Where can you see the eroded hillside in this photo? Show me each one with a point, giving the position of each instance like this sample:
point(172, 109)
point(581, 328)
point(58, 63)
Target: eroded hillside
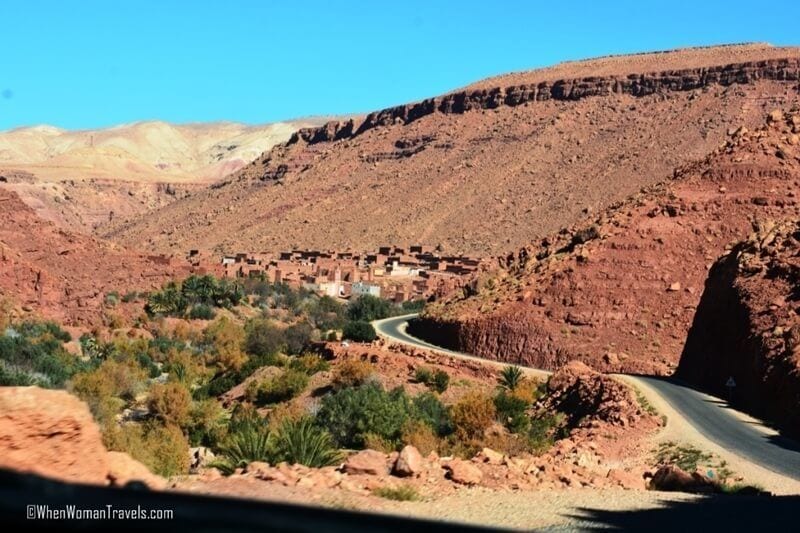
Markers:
point(620, 291)
point(484, 170)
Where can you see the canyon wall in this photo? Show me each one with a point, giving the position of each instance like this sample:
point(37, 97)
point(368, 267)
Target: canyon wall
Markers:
point(574, 89)
point(747, 327)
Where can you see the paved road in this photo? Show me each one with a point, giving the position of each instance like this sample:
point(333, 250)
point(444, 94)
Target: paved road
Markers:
point(710, 416)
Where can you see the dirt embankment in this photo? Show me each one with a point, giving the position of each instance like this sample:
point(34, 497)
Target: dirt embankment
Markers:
point(747, 327)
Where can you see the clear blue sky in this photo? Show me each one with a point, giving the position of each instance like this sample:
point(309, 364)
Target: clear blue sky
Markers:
point(84, 64)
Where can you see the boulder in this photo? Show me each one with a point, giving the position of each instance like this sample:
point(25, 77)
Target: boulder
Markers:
point(488, 455)
point(52, 434)
point(366, 462)
point(123, 469)
point(409, 462)
point(673, 478)
point(463, 473)
point(625, 479)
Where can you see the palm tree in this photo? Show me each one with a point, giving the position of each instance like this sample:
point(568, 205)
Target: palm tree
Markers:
point(191, 287)
point(510, 377)
point(301, 441)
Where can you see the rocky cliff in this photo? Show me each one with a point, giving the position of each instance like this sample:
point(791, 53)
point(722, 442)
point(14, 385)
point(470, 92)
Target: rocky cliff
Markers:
point(620, 292)
point(747, 327)
point(66, 276)
point(787, 69)
point(487, 169)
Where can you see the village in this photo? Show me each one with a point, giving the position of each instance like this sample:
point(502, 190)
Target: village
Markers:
point(395, 273)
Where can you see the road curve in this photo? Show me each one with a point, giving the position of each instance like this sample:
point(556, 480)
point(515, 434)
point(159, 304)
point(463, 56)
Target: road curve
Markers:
point(710, 416)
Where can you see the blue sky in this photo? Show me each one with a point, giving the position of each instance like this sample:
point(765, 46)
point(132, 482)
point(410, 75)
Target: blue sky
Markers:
point(85, 64)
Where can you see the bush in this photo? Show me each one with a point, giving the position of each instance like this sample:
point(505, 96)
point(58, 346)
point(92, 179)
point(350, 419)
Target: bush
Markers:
point(545, 430)
point(423, 374)
point(403, 493)
point(440, 381)
point(352, 413)
point(298, 337)
point(512, 412)
point(162, 449)
point(31, 353)
point(472, 416)
point(202, 312)
point(420, 435)
point(207, 423)
point(510, 377)
point(300, 441)
point(111, 299)
point(281, 388)
point(263, 338)
point(351, 373)
point(112, 380)
point(247, 441)
point(225, 339)
point(359, 331)
point(309, 363)
point(170, 403)
point(367, 308)
point(431, 411)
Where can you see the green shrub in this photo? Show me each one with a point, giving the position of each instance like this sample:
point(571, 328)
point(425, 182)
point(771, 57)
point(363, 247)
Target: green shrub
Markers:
point(298, 337)
point(359, 331)
point(403, 493)
point(510, 377)
point(32, 353)
point(512, 412)
point(301, 441)
point(162, 449)
point(130, 297)
point(202, 312)
point(429, 409)
point(207, 423)
point(367, 308)
point(309, 363)
point(423, 374)
point(246, 442)
point(263, 338)
point(111, 299)
point(350, 414)
point(281, 388)
point(440, 381)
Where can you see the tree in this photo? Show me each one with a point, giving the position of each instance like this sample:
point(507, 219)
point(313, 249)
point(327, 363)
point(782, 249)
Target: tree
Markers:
point(226, 339)
point(510, 377)
point(368, 308)
point(297, 336)
point(171, 403)
point(359, 331)
point(263, 338)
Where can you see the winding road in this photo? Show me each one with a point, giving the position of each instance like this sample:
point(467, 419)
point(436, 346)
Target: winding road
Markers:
point(711, 417)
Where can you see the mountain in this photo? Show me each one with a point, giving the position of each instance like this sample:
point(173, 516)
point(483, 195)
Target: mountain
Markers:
point(81, 179)
point(66, 276)
point(620, 291)
point(486, 169)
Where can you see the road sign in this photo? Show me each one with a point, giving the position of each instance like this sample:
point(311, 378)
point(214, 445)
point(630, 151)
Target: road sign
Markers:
point(730, 383)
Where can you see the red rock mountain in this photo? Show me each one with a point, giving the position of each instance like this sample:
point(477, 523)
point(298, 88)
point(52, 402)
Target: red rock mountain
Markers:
point(620, 291)
point(63, 275)
point(747, 326)
point(486, 169)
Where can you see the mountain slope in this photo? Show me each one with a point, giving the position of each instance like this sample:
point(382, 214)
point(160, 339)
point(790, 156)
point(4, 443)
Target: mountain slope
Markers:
point(83, 179)
point(66, 276)
point(620, 291)
point(481, 171)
